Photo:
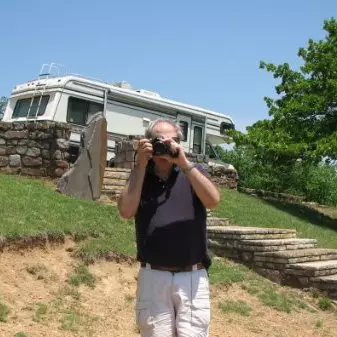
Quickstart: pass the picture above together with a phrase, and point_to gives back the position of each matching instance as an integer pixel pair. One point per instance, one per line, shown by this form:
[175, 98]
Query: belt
[191, 267]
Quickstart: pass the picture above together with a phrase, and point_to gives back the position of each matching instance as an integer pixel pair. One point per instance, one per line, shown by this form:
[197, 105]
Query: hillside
[49, 291]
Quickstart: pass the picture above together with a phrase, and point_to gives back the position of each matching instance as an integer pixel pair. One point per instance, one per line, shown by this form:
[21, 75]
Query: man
[168, 196]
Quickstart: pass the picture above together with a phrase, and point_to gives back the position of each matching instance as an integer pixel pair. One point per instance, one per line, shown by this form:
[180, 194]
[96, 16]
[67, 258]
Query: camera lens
[159, 148]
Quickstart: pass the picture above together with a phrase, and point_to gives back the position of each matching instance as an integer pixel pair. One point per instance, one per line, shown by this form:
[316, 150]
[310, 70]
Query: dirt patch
[34, 286]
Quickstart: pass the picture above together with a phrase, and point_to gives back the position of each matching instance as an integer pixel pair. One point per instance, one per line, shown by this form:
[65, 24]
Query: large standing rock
[85, 179]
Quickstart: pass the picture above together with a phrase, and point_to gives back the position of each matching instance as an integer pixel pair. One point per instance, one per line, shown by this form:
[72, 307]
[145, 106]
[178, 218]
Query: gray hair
[149, 131]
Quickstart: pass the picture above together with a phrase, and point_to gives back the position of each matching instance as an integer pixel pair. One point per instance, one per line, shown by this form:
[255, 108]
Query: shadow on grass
[303, 212]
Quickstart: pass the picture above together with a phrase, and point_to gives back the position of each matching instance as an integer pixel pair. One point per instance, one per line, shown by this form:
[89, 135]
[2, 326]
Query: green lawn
[28, 208]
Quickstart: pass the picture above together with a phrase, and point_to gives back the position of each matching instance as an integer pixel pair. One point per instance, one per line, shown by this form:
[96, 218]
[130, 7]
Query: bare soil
[34, 285]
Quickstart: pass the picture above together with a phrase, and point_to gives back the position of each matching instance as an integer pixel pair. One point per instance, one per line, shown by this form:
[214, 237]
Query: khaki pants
[172, 304]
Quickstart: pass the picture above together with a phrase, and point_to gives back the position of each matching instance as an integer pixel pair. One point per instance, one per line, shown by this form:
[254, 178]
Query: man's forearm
[206, 191]
[129, 200]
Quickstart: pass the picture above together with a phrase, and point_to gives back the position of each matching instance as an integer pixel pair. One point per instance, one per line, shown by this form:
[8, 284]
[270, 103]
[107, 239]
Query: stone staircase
[114, 180]
[276, 254]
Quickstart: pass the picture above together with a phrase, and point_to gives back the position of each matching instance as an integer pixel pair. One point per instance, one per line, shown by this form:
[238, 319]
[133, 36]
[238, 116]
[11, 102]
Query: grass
[40, 312]
[226, 273]
[4, 311]
[82, 276]
[246, 210]
[238, 307]
[30, 208]
[72, 315]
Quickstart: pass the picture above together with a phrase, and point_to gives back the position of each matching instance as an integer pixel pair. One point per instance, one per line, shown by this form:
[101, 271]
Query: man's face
[166, 131]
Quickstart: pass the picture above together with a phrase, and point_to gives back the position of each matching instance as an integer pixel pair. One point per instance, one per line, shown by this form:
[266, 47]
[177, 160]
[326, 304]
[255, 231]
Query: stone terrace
[276, 254]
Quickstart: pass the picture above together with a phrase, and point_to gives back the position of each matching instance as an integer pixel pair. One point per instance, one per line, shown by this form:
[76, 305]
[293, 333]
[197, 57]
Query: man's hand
[181, 161]
[144, 152]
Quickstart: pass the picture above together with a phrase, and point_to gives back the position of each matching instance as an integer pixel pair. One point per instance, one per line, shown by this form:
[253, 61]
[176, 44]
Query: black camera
[161, 148]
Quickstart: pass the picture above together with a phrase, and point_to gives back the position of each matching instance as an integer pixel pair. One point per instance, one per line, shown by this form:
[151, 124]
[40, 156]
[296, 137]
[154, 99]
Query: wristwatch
[189, 167]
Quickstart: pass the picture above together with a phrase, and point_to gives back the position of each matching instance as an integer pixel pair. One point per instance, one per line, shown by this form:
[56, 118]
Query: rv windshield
[28, 108]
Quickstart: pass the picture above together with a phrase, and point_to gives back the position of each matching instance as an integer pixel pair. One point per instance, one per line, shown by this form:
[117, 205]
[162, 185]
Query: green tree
[304, 116]
[3, 103]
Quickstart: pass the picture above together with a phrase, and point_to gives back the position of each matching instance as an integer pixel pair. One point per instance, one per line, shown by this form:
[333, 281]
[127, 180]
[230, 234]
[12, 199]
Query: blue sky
[204, 53]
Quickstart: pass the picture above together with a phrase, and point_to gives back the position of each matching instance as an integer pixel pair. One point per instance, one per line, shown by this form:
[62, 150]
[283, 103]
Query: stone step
[312, 269]
[212, 221]
[117, 169]
[326, 283]
[249, 233]
[261, 246]
[123, 175]
[114, 182]
[297, 256]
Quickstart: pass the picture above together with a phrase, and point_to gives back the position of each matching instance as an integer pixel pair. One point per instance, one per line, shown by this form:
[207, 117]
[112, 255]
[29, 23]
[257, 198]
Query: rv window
[197, 139]
[225, 126]
[80, 110]
[26, 105]
[184, 130]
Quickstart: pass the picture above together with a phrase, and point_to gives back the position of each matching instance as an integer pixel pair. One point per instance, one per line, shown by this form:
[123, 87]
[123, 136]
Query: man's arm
[129, 200]
[204, 188]
[206, 191]
[130, 197]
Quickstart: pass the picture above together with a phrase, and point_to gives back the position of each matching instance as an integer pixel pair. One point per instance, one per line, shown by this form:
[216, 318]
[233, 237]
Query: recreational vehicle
[74, 99]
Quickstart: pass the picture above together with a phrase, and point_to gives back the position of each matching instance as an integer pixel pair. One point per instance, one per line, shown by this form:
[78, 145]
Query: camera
[161, 148]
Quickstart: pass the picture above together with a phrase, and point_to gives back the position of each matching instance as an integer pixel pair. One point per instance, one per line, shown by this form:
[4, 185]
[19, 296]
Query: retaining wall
[34, 148]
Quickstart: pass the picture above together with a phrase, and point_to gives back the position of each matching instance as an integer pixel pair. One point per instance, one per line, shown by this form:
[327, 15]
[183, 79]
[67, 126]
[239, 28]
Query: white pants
[172, 304]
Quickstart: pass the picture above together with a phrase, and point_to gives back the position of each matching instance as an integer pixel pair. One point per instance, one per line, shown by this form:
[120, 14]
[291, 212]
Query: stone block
[3, 150]
[21, 149]
[2, 141]
[62, 144]
[14, 160]
[121, 156]
[45, 154]
[130, 156]
[129, 165]
[4, 161]
[4, 126]
[34, 143]
[10, 149]
[117, 174]
[114, 182]
[33, 152]
[57, 155]
[30, 161]
[15, 134]
[19, 126]
[85, 178]
[12, 142]
[62, 164]
[59, 172]
[33, 171]
[22, 142]
[60, 133]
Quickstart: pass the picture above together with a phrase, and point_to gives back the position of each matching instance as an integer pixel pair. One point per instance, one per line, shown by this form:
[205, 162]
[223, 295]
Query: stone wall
[125, 153]
[34, 148]
[223, 176]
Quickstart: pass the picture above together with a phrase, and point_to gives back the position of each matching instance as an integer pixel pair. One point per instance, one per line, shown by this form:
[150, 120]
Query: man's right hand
[144, 152]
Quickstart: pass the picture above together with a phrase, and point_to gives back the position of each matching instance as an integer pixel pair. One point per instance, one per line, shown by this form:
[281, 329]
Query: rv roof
[62, 80]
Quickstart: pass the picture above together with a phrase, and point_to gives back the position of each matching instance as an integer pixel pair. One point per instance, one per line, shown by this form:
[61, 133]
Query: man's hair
[149, 131]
